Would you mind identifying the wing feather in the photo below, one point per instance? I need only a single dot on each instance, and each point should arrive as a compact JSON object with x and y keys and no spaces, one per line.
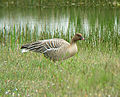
{"x":43,"y":46}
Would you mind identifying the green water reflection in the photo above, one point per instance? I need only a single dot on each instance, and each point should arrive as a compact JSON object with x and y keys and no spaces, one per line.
{"x":98,"y":25}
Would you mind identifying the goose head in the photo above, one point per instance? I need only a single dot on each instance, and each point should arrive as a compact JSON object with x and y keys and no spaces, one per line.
{"x":77,"y":37}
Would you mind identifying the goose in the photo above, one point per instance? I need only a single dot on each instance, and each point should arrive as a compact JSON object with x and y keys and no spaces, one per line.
{"x":55,"y":49}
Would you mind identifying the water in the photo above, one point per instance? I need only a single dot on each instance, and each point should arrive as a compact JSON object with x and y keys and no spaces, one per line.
{"x":98,"y":25}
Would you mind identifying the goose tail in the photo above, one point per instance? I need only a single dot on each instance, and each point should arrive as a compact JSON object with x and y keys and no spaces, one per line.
{"x":24,"y":48}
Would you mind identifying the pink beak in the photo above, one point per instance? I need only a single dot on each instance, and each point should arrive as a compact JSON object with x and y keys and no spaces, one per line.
{"x":83,"y":39}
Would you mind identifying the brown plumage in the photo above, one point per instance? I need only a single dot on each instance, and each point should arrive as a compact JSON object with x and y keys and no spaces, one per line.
{"x":55,"y":49}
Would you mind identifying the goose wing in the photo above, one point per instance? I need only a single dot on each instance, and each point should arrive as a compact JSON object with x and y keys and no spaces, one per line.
{"x":43,"y":46}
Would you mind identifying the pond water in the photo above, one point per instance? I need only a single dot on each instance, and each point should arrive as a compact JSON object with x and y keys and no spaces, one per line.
{"x":97,"y":24}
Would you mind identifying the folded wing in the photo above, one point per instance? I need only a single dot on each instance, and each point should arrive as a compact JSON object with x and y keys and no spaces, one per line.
{"x":44,"y":46}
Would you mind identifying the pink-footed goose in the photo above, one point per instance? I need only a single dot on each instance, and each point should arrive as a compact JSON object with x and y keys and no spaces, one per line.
{"x":55,"y":49}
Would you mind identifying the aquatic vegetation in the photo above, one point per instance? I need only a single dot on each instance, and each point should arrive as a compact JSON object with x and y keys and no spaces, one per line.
{"x":107,"y":40}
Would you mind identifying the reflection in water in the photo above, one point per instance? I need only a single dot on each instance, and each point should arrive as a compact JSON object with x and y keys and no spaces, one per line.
{"x":85,"y":26}
{"x":98,"y":22}
{"x":59,"y":20}
{"x":43,"y":23}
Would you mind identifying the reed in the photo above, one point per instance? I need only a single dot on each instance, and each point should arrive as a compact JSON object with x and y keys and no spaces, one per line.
{"x":107,"y":40}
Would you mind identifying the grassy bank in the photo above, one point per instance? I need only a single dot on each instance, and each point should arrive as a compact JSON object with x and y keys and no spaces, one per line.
{"x":38,"y":3}
{"x":89,"y":73}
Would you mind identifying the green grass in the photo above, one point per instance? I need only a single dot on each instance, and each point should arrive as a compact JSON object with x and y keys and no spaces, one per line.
{"x":90,"y":73}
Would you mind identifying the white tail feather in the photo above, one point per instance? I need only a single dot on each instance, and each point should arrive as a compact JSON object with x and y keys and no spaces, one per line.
{"x":24,"y":50}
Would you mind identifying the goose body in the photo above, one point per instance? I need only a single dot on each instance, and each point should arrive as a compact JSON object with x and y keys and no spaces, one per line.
{"x":54,"y":49}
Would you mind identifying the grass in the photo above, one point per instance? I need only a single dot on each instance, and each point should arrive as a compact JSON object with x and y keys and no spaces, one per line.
{"x":56,"y":3}
{"x":90,"y":73}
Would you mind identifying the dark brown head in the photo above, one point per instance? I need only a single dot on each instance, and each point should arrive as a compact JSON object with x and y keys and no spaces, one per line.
{"x":77,"y":37}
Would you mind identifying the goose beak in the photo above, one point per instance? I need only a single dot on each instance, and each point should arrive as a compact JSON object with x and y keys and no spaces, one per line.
{"x":83,"y":39}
